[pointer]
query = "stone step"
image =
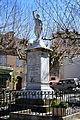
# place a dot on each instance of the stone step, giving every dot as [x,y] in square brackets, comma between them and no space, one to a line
[7,117]
[34,108]
[36,105]
[33,101]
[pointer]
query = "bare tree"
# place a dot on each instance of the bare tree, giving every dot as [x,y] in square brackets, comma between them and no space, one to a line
[15,27]
[63,13]
[61,19]
[65,45]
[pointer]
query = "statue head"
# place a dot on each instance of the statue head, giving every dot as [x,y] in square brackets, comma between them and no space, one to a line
[37,15]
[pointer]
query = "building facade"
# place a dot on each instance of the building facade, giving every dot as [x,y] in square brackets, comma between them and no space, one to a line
[70,68]
[66,47]
[9,65]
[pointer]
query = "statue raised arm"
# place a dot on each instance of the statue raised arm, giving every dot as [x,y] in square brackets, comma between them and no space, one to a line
[38,25]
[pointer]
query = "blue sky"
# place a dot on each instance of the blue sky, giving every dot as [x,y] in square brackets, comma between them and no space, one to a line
[51,7]
[48,16]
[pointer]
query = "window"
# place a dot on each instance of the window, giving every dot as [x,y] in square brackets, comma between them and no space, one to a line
[3,60]
[53,78]
[19,62]
[2,82]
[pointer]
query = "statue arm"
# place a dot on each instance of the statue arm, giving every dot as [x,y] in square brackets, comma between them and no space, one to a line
[33,15]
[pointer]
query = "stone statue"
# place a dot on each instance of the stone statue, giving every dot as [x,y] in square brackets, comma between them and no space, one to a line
[38,25]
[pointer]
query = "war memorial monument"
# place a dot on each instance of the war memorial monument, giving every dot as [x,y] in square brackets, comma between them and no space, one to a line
[38,61]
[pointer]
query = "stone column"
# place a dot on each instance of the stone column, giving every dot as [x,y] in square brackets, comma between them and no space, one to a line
[38,67]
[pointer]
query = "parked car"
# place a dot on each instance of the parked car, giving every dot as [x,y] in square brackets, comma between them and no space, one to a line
[66,84]
[79,83]
[52,80]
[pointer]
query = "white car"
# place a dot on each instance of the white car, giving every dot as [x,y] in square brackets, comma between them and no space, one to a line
[65,84]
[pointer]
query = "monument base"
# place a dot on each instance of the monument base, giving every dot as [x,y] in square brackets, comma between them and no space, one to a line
[38,68]
[41,91]
[39,87]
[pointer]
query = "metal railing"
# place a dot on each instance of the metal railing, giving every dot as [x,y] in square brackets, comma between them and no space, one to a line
[38,102]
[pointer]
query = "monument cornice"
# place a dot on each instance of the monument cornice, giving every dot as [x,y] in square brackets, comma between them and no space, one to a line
[38,46]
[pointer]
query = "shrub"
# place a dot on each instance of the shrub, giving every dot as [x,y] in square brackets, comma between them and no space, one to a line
[59,105]
[54,104]
[63,105]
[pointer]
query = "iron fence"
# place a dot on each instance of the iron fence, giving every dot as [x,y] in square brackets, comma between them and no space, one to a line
[38,102]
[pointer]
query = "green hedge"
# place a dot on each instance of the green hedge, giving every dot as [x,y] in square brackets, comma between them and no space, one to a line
[59,105]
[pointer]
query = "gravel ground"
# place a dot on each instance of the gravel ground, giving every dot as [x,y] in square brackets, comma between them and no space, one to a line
[75,109]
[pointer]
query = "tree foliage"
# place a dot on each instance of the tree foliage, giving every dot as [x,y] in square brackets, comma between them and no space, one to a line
[65,45]
[15,79]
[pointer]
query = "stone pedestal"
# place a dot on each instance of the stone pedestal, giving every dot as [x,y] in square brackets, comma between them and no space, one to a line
[38,67]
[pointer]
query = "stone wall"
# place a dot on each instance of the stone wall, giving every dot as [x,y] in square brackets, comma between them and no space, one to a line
[25,116]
